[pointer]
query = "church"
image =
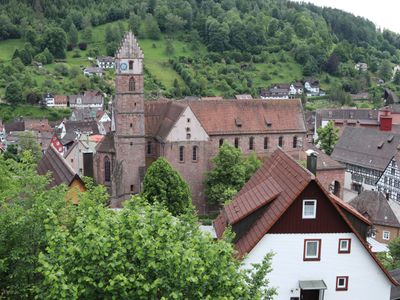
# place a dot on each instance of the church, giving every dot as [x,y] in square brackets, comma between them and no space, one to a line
[187,133]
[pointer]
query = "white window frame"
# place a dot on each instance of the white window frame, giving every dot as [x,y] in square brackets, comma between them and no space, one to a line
[346,249]
[315,209]
[384,233]
[316,257]
[343,287]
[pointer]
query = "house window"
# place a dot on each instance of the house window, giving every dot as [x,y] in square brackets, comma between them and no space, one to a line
[181,153]
[393,171]
[107,169]
[344,245]
[309,209]
[132,84]
[342,283]
[312,250]
[295,142]
[280,141]
[236,142]
[149,146]
[221,141]
[251,143]
[194,154]
[265,143]
[386,235]
[130,65]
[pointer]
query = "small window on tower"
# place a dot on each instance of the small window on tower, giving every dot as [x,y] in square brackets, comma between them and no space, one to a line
[131,125]
[131,143]
[131,65]
[132,84]
[131,187]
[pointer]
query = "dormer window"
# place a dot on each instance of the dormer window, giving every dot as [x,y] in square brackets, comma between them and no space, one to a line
[309,209]
[238,122]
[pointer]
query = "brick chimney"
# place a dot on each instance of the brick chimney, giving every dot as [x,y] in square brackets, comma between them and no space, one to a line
[385,119]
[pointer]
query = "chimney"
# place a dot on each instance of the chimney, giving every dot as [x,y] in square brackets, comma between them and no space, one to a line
[312,161]
[385,119]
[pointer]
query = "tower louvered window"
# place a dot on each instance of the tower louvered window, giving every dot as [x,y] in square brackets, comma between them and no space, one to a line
[107,169]
[131,84]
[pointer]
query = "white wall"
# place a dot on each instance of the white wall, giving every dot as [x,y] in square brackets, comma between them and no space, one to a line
[178,132]
[366,279]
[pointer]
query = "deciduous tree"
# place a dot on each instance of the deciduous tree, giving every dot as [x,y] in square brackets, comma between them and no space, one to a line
[328,137]
[165,185]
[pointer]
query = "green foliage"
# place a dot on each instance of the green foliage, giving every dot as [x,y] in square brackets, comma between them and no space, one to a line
[13,93]
[25,204]
[385,70]
[142,252]
[149,28]
[29,142]
[340,96]
[396,78]
[55,39]
[165,185]
[73,35]
[230,173]
[328,137]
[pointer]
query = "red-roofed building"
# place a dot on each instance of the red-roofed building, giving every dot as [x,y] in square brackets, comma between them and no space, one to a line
[318,240]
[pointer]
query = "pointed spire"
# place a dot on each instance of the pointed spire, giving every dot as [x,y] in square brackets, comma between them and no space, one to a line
[129,47]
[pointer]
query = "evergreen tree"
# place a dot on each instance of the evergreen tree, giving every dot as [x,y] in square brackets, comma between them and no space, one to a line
[73,35]
[13,93]
[169,48]
[385,70]
[396,78]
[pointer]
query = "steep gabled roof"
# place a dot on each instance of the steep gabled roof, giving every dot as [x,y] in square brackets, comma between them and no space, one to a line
[279,179]
[377,207]
[61,172]
[161,116]
[275,196]
[257,116]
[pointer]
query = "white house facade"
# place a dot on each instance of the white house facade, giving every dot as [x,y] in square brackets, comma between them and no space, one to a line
[346,276]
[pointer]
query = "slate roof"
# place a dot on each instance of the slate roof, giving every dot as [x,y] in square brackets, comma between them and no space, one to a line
[366,147]
[274,187]
[60,170]
[16,125]
[88,98]
[339,115]
[374,205]
[257,116]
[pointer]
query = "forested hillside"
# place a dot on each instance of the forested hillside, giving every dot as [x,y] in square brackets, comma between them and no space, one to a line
[196,47]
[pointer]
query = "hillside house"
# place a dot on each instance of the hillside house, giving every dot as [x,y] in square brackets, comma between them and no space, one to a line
[60,101]
[48,99]
[318,240]
[363,67]
[276,91]
[105,62]
[378,209]
[296,89]
[311,87]
[93,71]
[89,99]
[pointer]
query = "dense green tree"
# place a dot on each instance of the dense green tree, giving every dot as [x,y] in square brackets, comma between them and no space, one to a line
[13,93]
[87,35]
[29,142]
[142,252]
[55,40]
[7,29]
[169,48]
[385,70]
[134,23]
[332,65]
[73,35]
[391,259]
[328,137]
[149,28]
[231,171]
[396,77]
[217,35]
[174,23]
[25,204]
[339,95]
[165,185]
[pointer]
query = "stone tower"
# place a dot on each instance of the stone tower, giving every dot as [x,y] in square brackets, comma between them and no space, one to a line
[128,110]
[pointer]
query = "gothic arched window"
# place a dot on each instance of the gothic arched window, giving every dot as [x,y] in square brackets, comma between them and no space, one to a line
[107,169]
[131,84]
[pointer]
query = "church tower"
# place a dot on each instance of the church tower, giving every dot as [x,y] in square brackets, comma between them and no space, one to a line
[128,109]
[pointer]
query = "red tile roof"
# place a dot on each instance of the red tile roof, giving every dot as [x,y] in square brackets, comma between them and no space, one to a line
[275,186]
[219,116]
